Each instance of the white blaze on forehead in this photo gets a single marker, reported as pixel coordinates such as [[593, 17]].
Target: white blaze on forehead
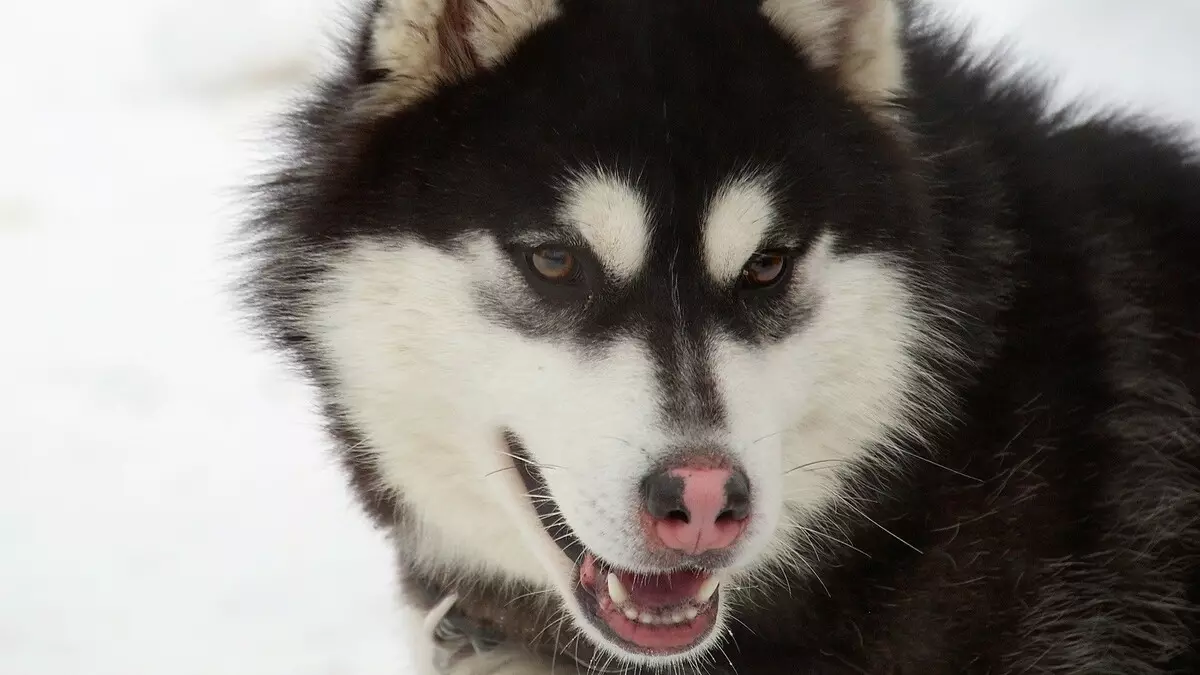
[[738, 219], [612, 216]]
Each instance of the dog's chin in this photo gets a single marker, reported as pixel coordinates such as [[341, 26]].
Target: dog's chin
[[659, 616]]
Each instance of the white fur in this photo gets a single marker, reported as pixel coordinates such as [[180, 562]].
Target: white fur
[[430, 381], [859, 39], [612, 217], [738, 219], [806, 406], [411, 42]]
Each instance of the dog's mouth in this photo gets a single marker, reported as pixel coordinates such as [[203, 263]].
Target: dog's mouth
[[659, 614]]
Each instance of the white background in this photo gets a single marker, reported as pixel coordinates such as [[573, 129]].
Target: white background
[[167, 502]]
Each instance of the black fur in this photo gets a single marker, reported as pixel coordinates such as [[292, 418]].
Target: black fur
[[1058, 530]]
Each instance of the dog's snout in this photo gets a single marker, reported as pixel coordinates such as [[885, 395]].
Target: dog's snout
[[695, 509]]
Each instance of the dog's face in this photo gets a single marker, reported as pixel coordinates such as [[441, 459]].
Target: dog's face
[[615, 295]]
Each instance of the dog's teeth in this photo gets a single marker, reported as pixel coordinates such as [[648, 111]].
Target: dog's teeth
[[679, 617], [691, 613], [631, 614], [707, 589], [616, 590], [648, 618]]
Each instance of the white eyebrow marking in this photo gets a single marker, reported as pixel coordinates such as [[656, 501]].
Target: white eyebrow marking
[[612, 216], [739, 217]]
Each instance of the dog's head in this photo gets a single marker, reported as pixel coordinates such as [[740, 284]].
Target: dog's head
[[615, 293]]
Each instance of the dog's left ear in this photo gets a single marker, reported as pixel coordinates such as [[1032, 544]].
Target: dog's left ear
[[860, 40]]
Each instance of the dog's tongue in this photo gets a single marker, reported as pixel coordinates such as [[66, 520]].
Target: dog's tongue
[[662, 590]]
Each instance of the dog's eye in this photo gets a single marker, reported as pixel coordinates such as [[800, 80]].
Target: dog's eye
[[764, 269], [555, 264]]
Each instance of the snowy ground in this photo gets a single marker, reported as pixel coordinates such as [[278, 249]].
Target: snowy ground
[[166, 502]]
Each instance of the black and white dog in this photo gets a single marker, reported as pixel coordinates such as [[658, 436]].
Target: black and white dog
[[746, 337]]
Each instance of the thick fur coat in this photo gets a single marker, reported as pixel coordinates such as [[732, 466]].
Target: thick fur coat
[[967, 414]]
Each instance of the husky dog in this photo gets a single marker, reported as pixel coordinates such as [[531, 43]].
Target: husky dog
[[745, 337]]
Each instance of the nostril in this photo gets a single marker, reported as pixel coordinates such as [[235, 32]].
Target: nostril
[[678, 515], [734, 513], [663, 493], [729, 515]]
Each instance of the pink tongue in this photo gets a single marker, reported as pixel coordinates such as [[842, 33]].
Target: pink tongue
[[662, 590]]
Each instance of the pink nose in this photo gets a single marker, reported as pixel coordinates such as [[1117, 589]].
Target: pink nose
[[696, 509]]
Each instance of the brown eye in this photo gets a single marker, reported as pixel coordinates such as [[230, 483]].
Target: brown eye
[[764, 269], [553, 264]]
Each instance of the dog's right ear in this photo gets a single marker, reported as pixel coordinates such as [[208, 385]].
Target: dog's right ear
[[412, 47]]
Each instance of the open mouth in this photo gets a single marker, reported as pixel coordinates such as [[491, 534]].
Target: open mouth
[[658, 614]]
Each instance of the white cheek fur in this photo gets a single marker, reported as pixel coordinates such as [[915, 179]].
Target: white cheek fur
[[431, 382], [842, 386]]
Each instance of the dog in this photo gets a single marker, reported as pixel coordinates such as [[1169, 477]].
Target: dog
[[745, 337]]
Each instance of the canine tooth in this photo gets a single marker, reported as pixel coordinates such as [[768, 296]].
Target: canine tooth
[[616, 590], [679, 616], [691, 613], [707, 589], [646, 617], [631, 614]]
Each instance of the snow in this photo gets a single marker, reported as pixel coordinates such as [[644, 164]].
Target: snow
[[167, 501]]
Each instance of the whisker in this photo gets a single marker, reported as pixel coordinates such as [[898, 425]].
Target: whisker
[[619, 440], [893, 534], [819, 461], [530, 594], [771, 435], [830, 537], [527, 460], [940, 466]]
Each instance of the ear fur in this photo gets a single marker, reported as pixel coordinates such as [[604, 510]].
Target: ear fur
[[417, 46], [860, 40]]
